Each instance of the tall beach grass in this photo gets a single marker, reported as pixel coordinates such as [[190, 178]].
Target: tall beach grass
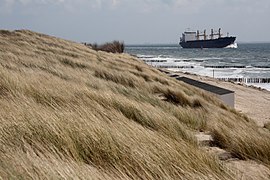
[[70, 112]]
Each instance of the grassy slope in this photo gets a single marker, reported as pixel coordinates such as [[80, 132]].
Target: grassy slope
[[68, 111]]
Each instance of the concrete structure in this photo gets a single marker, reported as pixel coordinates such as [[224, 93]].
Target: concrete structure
[[225, 95]]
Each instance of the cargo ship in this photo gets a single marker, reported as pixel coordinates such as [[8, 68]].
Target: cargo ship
[[192, 39]]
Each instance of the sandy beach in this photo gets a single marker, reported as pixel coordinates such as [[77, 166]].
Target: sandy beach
[[253, 102]]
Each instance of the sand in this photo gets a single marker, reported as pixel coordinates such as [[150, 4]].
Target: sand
[[253, 102]]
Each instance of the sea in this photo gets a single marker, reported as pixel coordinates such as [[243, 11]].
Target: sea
[[247, 63]]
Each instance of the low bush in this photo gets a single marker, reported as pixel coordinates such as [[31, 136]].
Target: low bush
[[113, 47]]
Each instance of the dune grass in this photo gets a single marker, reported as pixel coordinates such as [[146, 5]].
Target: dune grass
[[71, 112], [241, 137]]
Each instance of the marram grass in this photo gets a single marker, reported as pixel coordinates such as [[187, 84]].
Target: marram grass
[[69, 112]]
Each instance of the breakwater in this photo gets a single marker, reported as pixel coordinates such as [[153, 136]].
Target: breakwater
[[234, 66], [174, 67], [246, 80]]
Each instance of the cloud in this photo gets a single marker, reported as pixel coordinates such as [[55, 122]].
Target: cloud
[[7, 6], [12, 2], [145, 6], [140, 5]]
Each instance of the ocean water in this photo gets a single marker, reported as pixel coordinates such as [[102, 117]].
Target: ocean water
[[248, 63]]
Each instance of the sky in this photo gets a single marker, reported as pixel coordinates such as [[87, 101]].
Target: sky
[[137, 21]]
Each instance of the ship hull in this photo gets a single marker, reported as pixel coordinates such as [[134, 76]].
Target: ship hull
[[210, 43]]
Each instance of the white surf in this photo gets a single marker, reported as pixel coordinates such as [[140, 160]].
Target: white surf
[[233, 46]]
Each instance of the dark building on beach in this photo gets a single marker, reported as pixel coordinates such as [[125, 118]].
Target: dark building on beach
[[227, 96]]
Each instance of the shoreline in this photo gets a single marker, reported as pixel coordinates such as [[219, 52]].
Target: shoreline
[[250, 100]]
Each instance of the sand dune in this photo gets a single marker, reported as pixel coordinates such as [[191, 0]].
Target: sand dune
[[69, 112]]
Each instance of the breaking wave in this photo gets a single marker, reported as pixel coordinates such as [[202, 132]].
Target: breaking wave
[[232, 46]]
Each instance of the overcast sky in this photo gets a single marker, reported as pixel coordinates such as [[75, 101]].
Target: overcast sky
[[137, 21]]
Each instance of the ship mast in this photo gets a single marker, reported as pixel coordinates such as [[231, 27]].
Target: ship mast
[[212, 34], [219, 32], [204, 35], [216, 34]]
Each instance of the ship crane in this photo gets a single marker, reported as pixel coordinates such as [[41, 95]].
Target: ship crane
[[199, 35], [216, 34]]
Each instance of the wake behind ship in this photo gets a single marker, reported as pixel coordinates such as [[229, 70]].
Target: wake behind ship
[[191, 39]]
